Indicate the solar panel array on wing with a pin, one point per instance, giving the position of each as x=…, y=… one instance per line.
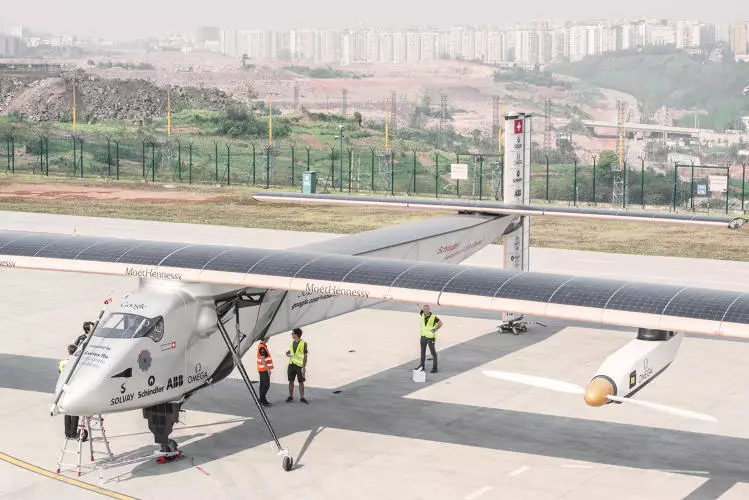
x=483, y=282
x=68, y=247
x=738, y=312
x=282, y=264
x=193, y=256
x=426, y=277
x=29, y=245
x=239, y=260
x=6, y=237
x=377, y=272
x=535, y=287
x=329, y=268
x=149, y=254
x=586, y=292
x=643, y=297
x=108, y=250
x=701, y=304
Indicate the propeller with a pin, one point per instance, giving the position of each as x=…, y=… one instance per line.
x=566, y=387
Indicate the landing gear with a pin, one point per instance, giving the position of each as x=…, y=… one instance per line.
x=516, y=326
x=161, y=419
x=287, y=461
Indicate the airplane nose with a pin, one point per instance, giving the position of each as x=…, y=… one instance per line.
x=80, y=397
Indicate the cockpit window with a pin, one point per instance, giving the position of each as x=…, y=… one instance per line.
x=130, y=326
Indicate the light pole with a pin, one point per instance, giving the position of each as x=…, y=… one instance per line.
x=340, y=157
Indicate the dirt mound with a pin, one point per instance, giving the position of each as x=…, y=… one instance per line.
x=102, y=99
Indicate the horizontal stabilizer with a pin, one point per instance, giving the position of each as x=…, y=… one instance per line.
x=487, y=207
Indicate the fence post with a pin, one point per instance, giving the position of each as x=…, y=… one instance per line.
x=728, y=186
x=436, y=174
x=624, y=194
x=743, y=183
x=267, y=166
x=350, y=167
x=574, y=183
x=228, y=165
x=594, y=180
x=481, y=177
x=692, y=193
x=547, y=178
x=81, y=143
x=372, y=177
x=292, y=164
x=642, y=183
x=215, y=144
x=392, y=172
x=179, y=159
x=46, y=155
x=332, y=168
x=673, y=202
x=414, y=173
x=109, y=157
x=75, y=158
x=253, y=165
x=189, y=178
x=308, y=160
x=153, y=161
x=117, y=152
x=143, y=159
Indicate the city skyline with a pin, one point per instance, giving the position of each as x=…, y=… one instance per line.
x=151, y=19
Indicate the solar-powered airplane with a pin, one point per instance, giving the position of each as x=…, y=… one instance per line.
x=200, y=308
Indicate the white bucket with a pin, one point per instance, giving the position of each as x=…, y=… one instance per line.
x=419, y=376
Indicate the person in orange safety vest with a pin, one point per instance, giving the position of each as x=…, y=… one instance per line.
x=264, y=367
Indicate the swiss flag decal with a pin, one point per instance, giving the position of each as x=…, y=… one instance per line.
x=518, y=126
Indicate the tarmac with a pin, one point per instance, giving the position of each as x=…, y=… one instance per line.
x=369, y=431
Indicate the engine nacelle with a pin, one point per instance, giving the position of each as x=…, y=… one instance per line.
x=633, y=366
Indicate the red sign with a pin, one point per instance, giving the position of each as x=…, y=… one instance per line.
x=518, y=126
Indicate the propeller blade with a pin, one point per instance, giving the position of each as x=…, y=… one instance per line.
x=543, y=383
x=665, y=409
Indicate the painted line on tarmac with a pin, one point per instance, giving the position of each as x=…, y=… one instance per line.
x=478, y=493
x=63, y=479
x=519, y=471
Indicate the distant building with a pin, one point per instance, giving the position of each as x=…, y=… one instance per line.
x=738, y=39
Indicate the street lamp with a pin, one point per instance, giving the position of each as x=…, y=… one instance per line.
x=340, y=156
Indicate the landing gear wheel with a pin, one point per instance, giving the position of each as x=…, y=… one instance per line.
x=172, y=445
x=171, y=453
x=288, y=463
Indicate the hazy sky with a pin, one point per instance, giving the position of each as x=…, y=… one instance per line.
x=136, y=18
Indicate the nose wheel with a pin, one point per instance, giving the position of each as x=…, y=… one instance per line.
x=288, y=463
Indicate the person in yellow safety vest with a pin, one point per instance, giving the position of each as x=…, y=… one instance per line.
x=71, y=421
x=297, y=355
x=264, y=367
x=430, y=324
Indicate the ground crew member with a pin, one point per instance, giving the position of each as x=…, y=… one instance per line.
x=429, y=326
x=71, y=421
x=87, y=327
x=297, y=355
x=264, y=367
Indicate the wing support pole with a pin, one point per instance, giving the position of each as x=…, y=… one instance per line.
x=287, y=460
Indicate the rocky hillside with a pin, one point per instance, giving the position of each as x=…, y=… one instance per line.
x=99, y=98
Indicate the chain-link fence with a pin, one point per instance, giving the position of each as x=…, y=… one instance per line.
x=555, y=178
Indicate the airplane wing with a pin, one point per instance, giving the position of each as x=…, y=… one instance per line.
x=593, y=300
x=488, y=207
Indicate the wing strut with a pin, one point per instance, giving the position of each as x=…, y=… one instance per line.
x=288, y=462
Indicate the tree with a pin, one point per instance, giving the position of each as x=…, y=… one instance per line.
x=358, y=118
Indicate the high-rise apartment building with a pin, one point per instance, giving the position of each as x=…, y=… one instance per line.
x=739, y=39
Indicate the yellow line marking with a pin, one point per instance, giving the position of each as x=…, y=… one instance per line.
x=64, y=479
